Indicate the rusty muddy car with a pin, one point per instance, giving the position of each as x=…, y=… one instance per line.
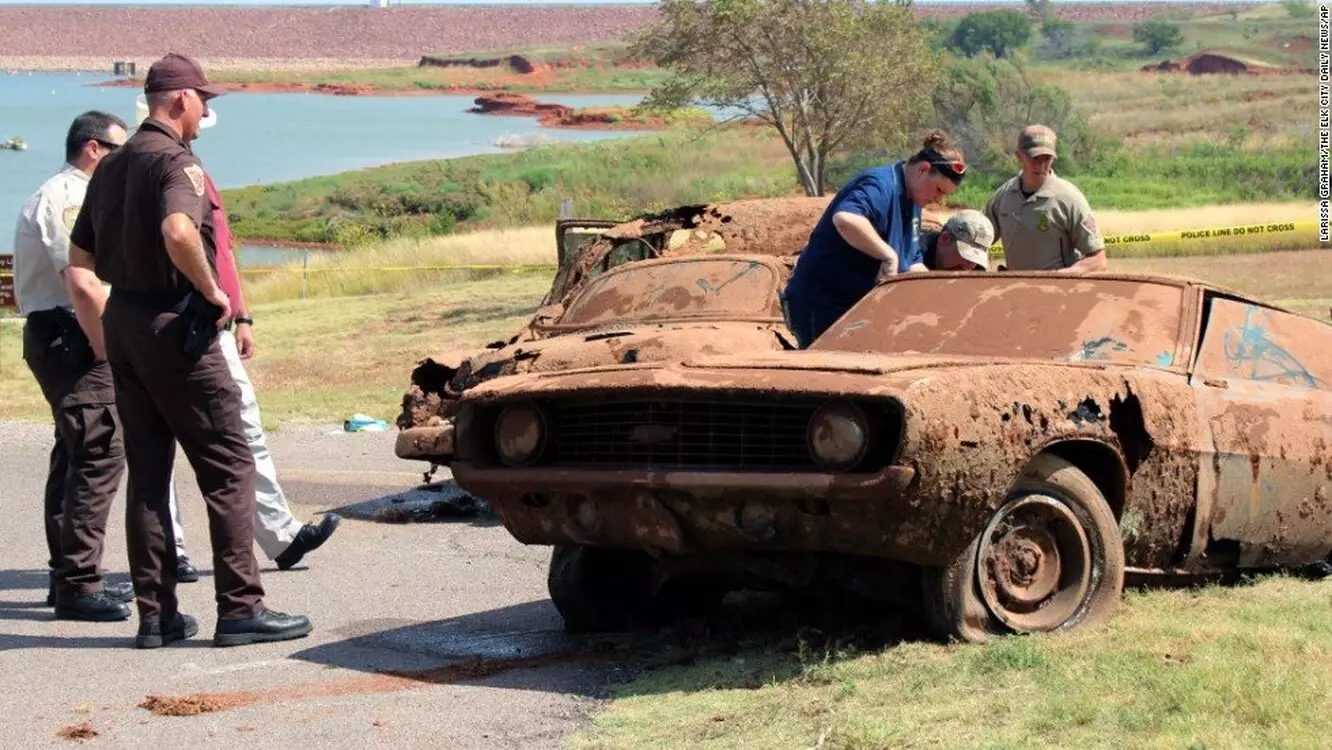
x=588, y=250
x=999, y=448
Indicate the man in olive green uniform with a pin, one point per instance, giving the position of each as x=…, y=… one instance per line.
x=1043, y=220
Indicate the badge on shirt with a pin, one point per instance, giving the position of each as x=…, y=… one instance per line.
x=1089, y=224
x=196, y=175
x=1043, y=221
x=70, y=215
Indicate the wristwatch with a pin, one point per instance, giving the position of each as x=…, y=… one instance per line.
x=243, y=320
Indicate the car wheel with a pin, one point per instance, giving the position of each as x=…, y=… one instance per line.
x=1049, y=559
x=597, y=589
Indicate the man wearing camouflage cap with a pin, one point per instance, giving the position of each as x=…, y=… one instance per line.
x=962, y=245
x=1043, y=220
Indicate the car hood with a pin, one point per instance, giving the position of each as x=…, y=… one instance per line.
x=607, y=346
x=828, y=373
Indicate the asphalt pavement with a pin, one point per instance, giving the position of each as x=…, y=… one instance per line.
x=425, y=634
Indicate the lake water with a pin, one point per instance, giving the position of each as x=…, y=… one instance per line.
x=263, y=138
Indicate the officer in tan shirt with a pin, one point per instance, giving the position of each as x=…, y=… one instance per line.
x=1044, y=222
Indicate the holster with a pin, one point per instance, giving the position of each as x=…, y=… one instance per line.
x=55, y=334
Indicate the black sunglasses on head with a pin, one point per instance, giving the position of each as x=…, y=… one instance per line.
x=109, y=146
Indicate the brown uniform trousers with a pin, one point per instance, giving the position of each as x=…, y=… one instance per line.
x=165, y=396
x=87, y=459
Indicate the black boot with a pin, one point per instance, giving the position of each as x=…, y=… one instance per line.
x=308, y=539
x=121, y=592
x=97, y=607
x=153, y=635
x=185, y=572
x=263, y=627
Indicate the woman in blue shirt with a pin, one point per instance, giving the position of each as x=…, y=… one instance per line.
x=871, y=226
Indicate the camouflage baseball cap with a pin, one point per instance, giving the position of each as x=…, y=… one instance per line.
x=974, y=235
x=1037, y=140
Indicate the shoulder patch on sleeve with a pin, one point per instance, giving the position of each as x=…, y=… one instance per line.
x=1089, y=224
x=69, y=216
x=196, y=175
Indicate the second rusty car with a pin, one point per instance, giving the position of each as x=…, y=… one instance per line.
x=1006, y=447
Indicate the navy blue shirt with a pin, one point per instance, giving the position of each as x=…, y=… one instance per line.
x=831, y=275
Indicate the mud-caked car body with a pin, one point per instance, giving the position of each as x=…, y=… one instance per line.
x=775, y=228
x=657, y=310
x=1010, y=443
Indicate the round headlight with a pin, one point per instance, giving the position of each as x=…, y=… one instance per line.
x=838, y=436
x=519, y=434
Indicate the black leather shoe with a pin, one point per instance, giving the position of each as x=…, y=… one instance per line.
x=121, y=592
x=153, y=635
x=262, y=628
x=185, y=572
x=96, y=607
x=308, y=539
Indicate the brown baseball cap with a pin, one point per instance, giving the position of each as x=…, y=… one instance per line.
x=1037, y=140
x=175, y=72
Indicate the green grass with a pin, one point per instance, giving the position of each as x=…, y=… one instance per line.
x=603, y=179
x=1238, y=667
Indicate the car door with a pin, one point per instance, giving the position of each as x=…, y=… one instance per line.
x=1263, y=387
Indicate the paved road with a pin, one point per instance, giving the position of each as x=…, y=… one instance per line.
x=445, y=605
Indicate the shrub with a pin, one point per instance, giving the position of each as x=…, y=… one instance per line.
x=1157, y=35
x=1299, y=8
x=999, y=31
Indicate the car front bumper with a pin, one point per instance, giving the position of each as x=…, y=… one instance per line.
x=686, y=512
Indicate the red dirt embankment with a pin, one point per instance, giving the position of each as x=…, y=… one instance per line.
x=559, y=115
x=89, y=37
x=294, y=34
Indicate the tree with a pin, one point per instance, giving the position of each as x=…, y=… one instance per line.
x=1157, y=35
x=825, y=74
x=999, y=31
x=984, y=103
x=1299, y=8
x=1061, y=37
x=1040, y=10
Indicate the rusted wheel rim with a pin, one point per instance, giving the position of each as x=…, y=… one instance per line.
x=1034, y=564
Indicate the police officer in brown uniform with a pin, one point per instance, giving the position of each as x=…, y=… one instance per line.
x=62, y=344
x=146, y=229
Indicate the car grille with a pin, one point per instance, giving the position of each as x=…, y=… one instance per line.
x=710, y=434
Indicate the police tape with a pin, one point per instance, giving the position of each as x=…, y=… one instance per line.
x=1181, y=235
x=1113, y=240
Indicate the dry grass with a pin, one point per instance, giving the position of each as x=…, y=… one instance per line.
x=1204, y=217
x=405, y=264
x=1237, y=667
x=1175, y=110
x=1297, y=280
